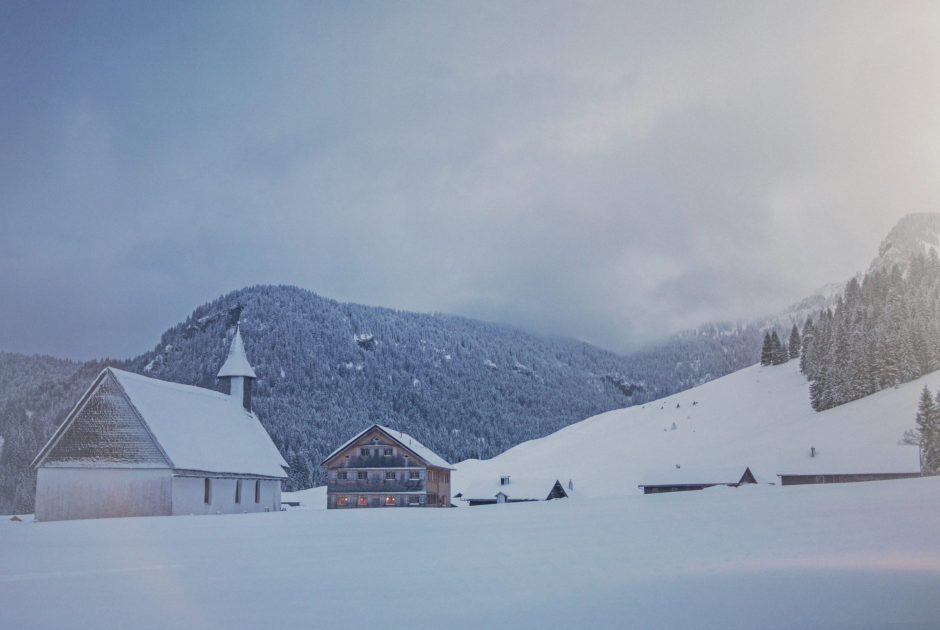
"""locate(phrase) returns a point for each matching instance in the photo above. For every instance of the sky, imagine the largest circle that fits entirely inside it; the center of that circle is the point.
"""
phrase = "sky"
(609, 171)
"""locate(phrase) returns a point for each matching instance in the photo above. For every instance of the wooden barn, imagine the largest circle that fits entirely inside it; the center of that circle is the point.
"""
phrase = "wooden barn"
(682, 479)
(382, 467)
(509, 490)
(848, 464)
(138, 446)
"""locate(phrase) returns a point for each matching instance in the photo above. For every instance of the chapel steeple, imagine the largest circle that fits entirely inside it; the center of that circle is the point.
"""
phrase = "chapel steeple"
(238, 371)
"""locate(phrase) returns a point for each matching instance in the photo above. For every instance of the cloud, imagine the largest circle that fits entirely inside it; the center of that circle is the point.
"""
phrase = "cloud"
(614, 171)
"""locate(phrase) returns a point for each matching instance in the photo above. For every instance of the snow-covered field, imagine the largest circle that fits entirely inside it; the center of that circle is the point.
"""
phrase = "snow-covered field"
(863, 555)
(859, 556)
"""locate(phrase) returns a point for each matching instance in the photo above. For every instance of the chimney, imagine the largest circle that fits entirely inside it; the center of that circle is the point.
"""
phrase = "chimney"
(238, 371)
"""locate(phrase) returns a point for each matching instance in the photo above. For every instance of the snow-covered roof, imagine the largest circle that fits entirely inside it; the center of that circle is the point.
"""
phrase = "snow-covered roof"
(402, 438)
(850, 461)
(197, 429)
(694, 476)
(236, 364)
(536, 489)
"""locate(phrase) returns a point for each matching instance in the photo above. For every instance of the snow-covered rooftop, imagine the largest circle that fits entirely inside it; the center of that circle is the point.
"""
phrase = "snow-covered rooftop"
(406, 440)
(521, 488)
(200, 429)
(850, 460)
(685, 476)
(236, 364)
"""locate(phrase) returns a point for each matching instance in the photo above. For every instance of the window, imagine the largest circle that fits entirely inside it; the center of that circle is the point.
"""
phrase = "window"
(363, 501)
(388, 451)
(389, 474)
(413, 500)
(342, 500)
(432, 499)
(238, 491)
(414, 474)
(341, 474)
(257, 491)
(362, 475)
(364, 452)
(207, 492)
(389, 500)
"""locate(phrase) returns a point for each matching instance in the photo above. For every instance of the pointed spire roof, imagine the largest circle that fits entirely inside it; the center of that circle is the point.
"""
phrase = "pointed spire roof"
(237, 362)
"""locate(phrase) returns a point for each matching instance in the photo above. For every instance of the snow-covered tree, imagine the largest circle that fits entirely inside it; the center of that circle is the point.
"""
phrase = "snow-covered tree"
(795, 343)
(928, 430)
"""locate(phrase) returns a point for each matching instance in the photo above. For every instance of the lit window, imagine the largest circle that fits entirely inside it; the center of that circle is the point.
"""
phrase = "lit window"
(414, 474)
(341, 474)
(362, 475)
(388, 451)
(389, 500)
(389, 474)
(342, 500)
(363, 501)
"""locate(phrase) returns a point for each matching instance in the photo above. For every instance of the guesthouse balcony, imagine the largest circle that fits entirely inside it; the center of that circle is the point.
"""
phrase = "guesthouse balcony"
(377, 461)
(376, 486)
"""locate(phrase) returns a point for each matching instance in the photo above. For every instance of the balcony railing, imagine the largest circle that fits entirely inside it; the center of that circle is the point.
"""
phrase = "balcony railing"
(377, 461)
(375, 486)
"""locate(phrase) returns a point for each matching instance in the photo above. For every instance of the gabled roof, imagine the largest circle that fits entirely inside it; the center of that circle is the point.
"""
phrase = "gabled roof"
(430, 457)
(517, 489)
(696, 476)
(236, 364)
(197, 429)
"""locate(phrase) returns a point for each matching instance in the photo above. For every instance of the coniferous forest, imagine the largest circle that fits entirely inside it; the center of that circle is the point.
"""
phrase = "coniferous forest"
(884, 330)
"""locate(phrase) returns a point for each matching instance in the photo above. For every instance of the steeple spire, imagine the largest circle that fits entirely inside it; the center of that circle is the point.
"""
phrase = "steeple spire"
(238, 370)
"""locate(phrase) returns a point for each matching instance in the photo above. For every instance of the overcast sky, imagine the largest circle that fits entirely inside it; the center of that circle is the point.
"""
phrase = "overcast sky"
(612, 172)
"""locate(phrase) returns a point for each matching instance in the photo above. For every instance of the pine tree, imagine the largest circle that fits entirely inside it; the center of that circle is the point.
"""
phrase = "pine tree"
(766, 352)
(778, 352)
(795, 343)
(809, 336)
(928, 428)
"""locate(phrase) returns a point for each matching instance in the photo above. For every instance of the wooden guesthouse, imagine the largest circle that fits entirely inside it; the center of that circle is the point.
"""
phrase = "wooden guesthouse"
(382, 467)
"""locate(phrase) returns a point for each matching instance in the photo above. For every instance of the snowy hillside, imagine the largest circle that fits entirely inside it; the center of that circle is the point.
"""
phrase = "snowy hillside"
(757, 417)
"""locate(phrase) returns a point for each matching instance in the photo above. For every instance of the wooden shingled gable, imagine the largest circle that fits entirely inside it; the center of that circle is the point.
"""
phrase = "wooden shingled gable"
(103, 428)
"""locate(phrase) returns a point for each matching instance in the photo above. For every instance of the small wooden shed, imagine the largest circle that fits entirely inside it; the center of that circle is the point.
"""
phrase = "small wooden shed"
(681, 479)
(848, 464)
(508, 489)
